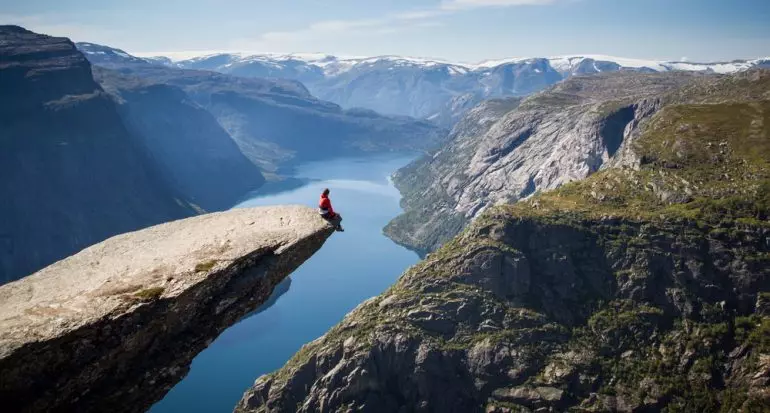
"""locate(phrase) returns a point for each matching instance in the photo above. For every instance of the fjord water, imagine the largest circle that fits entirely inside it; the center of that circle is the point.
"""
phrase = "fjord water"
(351, 267)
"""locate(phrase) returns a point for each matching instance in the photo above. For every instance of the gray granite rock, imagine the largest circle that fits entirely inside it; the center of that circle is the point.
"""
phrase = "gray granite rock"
(506, 150)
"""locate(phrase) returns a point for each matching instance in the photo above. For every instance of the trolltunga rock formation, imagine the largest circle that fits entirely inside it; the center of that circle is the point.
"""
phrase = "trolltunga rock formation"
(115, 326)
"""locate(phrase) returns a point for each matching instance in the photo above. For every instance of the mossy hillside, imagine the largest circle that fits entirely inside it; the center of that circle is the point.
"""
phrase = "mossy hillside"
(686, 365)
(613, 327)
(752, 85)
(704, 174)
(149, 294)
(708, 163)
(680, 360)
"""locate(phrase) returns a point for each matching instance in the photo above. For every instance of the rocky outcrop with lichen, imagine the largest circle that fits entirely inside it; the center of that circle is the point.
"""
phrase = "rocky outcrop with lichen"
(645, 287)
(115, 326)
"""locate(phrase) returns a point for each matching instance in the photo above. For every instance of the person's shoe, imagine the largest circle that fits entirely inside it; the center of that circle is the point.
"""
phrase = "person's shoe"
(340, 229)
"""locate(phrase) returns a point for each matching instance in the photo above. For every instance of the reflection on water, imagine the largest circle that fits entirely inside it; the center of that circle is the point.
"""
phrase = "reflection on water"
(351, 267)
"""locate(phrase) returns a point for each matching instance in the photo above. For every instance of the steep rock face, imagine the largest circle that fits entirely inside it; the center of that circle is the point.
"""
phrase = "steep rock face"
(521, 315)
(308, 131)
(503, 151)
(70, 173)
(115, 326)
(192, 150)
(636, 289)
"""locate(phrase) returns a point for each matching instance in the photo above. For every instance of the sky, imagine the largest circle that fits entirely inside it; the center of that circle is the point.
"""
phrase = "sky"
(455, 30)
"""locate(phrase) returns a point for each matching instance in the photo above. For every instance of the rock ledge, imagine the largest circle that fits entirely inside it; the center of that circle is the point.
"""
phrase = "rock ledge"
(115, 326)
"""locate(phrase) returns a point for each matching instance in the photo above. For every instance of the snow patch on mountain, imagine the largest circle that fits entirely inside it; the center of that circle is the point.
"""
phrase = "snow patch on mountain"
(425, 88)
(332, 65)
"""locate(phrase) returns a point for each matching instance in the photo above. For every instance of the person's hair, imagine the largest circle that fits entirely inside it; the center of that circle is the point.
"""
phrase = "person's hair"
(326, 191)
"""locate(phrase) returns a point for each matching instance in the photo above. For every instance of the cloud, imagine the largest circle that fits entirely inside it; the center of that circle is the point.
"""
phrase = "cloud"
(473, 4)
(56, 25)
(344, 25)
(420, 14)
(388, 24)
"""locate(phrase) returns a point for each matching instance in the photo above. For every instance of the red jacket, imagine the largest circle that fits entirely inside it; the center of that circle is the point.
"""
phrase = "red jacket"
(326, 203)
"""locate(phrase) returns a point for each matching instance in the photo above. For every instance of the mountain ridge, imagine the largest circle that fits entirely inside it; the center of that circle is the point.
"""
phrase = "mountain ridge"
(324, 59)
(433, 89)
(429, 89)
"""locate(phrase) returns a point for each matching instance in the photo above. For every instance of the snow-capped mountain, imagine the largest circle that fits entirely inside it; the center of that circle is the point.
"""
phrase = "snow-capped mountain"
(331, 65)
(110, 56)
(423, 88)
(430, 88)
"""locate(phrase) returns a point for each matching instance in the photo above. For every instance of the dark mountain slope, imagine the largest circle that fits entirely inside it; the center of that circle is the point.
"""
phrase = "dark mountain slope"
(70, 173)
(186, 141)
(277, 122)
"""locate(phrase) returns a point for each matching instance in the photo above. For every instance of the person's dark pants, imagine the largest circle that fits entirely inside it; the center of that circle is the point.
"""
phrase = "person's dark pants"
(336, 221)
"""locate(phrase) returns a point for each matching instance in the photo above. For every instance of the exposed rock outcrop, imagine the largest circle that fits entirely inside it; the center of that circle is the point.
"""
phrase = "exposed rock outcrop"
(115, 326)
(507, 150)
(636, 289)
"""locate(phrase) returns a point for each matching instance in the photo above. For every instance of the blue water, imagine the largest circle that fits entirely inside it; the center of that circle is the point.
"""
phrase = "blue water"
(351, 267)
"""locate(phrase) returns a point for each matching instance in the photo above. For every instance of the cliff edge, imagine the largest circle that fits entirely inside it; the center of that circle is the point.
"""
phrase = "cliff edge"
(115, 326)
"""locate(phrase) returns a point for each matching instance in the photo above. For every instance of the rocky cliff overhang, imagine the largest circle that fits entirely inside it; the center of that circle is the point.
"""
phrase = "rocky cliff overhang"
(115, 326)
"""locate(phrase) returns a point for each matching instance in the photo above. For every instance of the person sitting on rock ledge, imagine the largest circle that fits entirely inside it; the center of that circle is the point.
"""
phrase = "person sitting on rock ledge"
(327, 212)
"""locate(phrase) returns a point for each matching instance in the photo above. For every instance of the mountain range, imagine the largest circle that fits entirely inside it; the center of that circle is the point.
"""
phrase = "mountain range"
(596, 229)
(275, 120)
(422, 88)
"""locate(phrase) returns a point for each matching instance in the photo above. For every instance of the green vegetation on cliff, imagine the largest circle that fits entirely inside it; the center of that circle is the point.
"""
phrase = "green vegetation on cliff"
(702, 162)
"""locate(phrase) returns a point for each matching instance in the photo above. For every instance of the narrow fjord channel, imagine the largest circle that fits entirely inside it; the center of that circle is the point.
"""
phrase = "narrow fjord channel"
(351, 267)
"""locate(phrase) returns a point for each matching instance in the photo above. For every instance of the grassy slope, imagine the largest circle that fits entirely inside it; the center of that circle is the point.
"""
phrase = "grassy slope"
(708, 162)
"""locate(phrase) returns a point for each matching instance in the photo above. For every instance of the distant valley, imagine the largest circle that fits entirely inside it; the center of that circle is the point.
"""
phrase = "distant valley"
(595, 230)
